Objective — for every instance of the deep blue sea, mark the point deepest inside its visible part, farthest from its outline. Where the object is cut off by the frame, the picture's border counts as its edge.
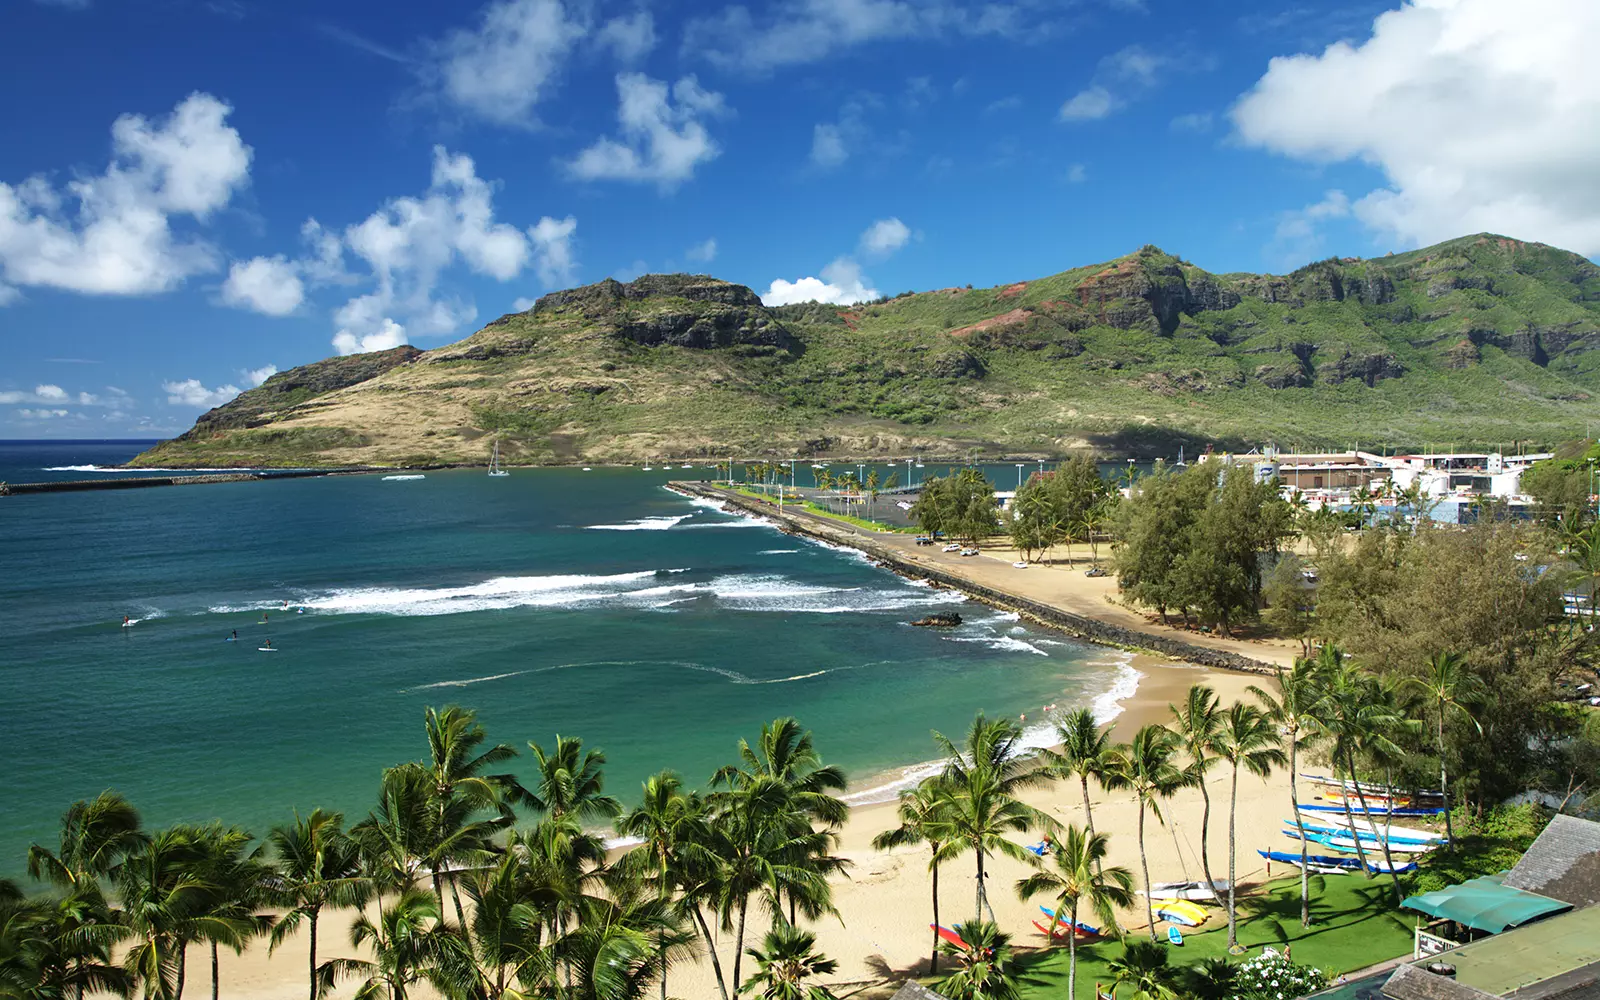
(597, 604)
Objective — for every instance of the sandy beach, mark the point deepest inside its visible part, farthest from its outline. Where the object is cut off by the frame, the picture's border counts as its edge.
(881, 936)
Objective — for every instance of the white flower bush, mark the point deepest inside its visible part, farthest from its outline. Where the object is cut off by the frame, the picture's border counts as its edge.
(1270, 976)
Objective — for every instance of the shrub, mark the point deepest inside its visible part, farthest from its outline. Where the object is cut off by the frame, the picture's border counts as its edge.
(1270, 976)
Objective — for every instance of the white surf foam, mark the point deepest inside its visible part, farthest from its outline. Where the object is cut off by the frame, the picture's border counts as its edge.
(466, 682)
(661, 523)
(776, 552)
(495, 594)
(1007, 643)
(1108, 704)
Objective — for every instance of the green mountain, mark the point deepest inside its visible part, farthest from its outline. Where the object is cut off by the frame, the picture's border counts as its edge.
(1481, 340)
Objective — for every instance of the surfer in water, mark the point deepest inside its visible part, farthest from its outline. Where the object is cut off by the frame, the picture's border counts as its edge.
(268, 644)
(126, 621)
(236, 633)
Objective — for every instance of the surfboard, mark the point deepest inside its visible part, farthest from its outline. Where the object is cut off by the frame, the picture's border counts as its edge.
(130, 624)
(265, 649)
(229, 638)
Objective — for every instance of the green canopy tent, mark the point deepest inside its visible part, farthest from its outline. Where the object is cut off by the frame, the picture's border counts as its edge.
(1484, 904)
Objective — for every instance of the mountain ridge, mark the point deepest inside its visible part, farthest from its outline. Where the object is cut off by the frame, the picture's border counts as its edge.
(1482, 339)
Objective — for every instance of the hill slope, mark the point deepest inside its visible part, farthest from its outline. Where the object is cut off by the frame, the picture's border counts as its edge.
(1480, 340)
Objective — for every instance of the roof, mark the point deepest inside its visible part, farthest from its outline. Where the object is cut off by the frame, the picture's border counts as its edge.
(1533, 961)
(1485, 904)
(915, 991)
(1413, 982)
(1563, 863)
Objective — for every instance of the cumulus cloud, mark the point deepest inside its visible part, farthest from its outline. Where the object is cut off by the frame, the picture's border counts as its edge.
(828, 146)
(386, 335)
(1482, 115)
(842, 283)
(522, 303)
(42, 414)
(499, 69)
(553, 257)
(662, 137)
(118, 237)
(256, 376)
(269, 285)
(190, 392)
(802, 31)
(884, 237)
(1119, 79)
(703, 253)
(50, 392)
(1088, 104)
(629, 38)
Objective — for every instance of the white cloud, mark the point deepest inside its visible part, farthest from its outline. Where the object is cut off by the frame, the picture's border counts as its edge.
(190, 392)
(1199, 121)
(267, 285)
(552, 250)
(1077, 174)
(703, 253)
(1008, 103)
(828, 146)
(256, 376)
(1298, 239)
(1482, 115)
(50, 392)
(842, 283)
(661, 142)
(500, 69)
(802, 31)
(119, 239)
(522, 304)
(629, 38)
(1088, 105)
(42, 414)
(387, 335)
(884, 237)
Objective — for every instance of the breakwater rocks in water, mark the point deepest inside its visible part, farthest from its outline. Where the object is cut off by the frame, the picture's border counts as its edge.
(142, 482)
(944, 619)
(1079, 626)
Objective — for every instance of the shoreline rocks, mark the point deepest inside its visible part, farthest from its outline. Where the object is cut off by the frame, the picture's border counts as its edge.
(944, 619)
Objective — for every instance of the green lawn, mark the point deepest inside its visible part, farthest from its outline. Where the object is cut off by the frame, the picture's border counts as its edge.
(1354, 924)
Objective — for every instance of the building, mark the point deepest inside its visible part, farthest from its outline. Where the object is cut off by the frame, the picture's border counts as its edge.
(916, 991)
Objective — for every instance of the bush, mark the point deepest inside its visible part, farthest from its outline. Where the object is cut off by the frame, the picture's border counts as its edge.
(1481, 848)
(1270, 976)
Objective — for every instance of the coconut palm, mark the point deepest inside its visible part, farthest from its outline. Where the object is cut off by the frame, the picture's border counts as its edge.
(572, 782)
(1294, 713)
(397, 835)
(668, 822)
(1080, 881)
(985, 968)
(923, 821)
(1211, 979)
(318, 865)
(505, 946)
(1244, 737)
(1196, 724)
(786, 963)
(981, 781)
(165, 895)
(1145, 766)
(1360, 718)
(1451, 687)
(564, 867)
(462, 784)
(611, 952)
(96, 836)
(238, 876)
(1144, 966)
(1084, 753)
(50, 949)
(409, 945)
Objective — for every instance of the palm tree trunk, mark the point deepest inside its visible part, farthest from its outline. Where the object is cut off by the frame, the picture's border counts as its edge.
(1144, 864)
(183, 962)
(1384, 842)
(461, 916)
(1205, 829)
(313, 935)
(933, 961)
(1444, 783)
(438, 892)
(216, 974)
(1233, 812)
(983, 893)
(1344, 797)
(711, 947)
(1300, 827)
(1072, 953)
(738, 954)
(661, 935)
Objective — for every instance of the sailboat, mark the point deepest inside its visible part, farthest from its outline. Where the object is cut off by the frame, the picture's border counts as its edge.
(494, 463)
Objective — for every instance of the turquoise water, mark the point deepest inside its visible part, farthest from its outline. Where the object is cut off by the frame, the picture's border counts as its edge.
(598, 604)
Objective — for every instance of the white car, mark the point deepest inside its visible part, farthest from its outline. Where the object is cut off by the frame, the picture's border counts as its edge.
(952, 547)
(1019, 564)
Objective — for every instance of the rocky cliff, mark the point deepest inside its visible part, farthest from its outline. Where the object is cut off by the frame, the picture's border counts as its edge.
(1484, 339)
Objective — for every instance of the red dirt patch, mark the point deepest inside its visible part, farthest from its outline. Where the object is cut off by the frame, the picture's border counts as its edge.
(1004, 319)
(850, 319)
(1012, 291)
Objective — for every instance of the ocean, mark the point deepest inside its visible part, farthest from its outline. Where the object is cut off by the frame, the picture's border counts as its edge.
(597, 604)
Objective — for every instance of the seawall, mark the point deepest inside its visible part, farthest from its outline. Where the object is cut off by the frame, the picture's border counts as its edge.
(1080, 626)
(144, 482)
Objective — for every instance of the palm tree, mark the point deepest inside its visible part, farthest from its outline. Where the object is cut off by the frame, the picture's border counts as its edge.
(985, 969)
(238, 877)
(564, 867)
(668, 823)
(1085, 753)
(1211, 979)
(409, 945)
(1144, 966)
(51, 949)
(1451, 687)
(571, 782)
(610, 952)
(980, 785)
(1294, 713)
(458, 768)
(1244, 738)
(165, 895)
(318, 865)
(397, 835)
(785, 963)
(1080, 880)
(97, 835)
(923, 821)
(1196, 724)
(1359, 718)
(505, 944)
(1145, 766)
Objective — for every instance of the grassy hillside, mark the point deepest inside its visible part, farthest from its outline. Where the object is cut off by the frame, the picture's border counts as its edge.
(1481, 340)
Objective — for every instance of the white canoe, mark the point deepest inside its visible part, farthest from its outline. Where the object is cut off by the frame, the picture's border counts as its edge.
(1192, 891)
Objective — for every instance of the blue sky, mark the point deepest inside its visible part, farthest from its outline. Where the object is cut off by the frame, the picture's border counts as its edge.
(196, 192)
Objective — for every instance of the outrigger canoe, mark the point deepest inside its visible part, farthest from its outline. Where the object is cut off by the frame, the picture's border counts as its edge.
(1061, 925)
(1181, 911)
(1395, 836)
(1346, 843)
(1328, 864)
